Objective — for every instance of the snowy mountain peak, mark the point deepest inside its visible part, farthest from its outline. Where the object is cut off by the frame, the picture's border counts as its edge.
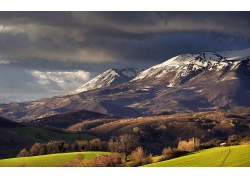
(108, 78)
(183, 64)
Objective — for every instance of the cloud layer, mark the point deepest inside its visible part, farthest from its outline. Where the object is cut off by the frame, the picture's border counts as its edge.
(84, 38)
(57, 51)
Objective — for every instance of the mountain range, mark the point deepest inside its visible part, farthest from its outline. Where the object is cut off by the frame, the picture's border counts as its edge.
(185, 83)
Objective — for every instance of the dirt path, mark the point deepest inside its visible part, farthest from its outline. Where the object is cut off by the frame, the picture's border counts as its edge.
(229, 151)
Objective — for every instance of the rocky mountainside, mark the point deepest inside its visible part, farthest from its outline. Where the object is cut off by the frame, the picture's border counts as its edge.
(185, 83)
(108, 78)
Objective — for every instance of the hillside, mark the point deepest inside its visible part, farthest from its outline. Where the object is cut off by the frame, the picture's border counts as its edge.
(6, 123)
(51, 160)
(232, 156)
(13, 140)
(67, 119)
(157, 132)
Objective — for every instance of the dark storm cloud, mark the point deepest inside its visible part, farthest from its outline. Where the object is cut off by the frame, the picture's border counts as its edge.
(85, 40)
(49, 53)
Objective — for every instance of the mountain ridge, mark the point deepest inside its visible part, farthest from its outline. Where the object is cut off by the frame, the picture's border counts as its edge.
(185, 83)
(107, 78)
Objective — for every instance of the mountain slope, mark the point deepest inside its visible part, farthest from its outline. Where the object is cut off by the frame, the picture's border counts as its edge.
(185, 83)
(197, 82)
(108, 78)
(67, 119)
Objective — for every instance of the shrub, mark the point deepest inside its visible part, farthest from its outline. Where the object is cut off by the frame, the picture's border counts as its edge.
(168, 153)
(108, 161)
(138, 157)
(191, 145)
(23, 153)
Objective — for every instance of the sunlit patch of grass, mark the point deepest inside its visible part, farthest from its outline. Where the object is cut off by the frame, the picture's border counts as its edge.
(50, 160)
(234, 156)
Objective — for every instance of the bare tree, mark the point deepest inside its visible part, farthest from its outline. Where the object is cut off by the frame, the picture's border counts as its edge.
(126, 144)
(137, 156)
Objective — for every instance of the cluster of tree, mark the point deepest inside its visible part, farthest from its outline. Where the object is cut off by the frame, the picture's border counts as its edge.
(238, 139)
(53, 147)
(189, 146)
(137, 158)
(127, 145)
(123, 144)
(85, 126)
(184, 147)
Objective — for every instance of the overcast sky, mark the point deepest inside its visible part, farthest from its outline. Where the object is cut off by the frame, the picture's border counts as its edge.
(48, 53)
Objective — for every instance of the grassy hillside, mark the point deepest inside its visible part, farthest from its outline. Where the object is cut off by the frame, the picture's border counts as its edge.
(46, 135)
(50, 160)
(233, 156)
(12, 140)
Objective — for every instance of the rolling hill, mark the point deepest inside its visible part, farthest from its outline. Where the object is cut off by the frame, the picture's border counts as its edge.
(67, 119)
(13, 140)
(232, 156)
(51, 160)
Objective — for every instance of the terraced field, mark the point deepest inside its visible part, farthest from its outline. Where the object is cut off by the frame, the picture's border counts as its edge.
(233, 156)
(50, 160)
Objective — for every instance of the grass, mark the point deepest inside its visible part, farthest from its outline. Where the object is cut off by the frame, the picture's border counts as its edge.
(233, 156)
(51, 160)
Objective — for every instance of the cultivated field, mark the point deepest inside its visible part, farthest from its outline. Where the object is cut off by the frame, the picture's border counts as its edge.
(50, 160)
(232, 156)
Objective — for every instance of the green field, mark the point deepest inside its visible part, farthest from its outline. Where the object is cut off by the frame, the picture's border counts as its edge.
(233, 156)
(50, 160)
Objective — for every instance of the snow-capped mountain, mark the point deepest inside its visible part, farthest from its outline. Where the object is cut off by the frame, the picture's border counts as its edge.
(185, 83)
(185, 65)
(108, 78)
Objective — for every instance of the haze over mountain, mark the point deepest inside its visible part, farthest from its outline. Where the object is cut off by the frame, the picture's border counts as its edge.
(185, 83)
(9, 99)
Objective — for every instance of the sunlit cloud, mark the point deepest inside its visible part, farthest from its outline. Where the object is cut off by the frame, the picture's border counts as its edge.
(67, 80)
